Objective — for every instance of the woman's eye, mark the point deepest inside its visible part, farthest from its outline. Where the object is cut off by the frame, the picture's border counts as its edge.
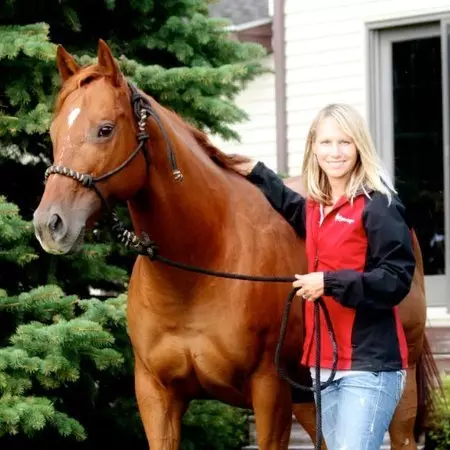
(105, 131)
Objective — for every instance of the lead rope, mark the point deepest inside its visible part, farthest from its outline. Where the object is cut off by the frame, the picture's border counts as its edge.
(145, 246)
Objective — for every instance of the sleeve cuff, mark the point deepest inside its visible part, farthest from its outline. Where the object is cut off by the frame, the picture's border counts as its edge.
(329, 283)
(256, 171)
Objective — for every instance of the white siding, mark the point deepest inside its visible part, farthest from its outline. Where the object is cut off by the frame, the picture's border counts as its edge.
(258, 134)
(326, 56)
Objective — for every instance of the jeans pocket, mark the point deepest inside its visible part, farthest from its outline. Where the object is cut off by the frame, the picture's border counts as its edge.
(401, 377)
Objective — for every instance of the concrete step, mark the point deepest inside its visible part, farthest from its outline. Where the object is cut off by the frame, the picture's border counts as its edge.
(439, 337)
(300, 440)
(443, 363)
(310, 446)
(299, 437)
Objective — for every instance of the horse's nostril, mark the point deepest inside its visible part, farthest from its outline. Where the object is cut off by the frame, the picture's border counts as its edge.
(55, 223)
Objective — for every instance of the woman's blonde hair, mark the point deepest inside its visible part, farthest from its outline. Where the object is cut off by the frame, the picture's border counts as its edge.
(368, 173)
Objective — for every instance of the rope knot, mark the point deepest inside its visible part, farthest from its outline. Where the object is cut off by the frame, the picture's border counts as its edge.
(151, 252)
(135, 97)
(142, 136)
(178, 176)
(86, 180)
(148, 247)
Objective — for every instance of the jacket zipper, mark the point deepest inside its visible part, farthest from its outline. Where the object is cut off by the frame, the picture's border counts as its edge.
(323, 217)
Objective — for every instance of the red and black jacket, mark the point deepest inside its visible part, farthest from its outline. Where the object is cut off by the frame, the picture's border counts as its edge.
(365, 250)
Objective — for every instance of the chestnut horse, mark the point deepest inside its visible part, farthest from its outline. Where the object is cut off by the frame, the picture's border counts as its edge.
(193, 336)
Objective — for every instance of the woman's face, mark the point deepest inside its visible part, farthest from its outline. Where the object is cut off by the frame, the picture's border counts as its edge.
(335, 151)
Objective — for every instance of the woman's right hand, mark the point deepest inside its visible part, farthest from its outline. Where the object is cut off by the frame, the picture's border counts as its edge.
(244, 168)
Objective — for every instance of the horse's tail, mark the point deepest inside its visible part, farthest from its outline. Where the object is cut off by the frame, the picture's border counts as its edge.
(428, 380)
(428, 383)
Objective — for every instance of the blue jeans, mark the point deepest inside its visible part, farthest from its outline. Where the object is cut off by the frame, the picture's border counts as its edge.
(357, 409)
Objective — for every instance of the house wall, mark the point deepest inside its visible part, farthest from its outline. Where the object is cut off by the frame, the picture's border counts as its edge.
(326, 57)
(258, 134)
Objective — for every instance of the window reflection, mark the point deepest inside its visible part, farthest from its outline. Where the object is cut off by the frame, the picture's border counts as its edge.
(418, 143)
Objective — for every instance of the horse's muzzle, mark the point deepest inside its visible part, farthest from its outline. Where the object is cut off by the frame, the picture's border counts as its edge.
(57, 232)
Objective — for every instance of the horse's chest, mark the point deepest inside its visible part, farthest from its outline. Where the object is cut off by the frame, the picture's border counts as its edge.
(206, 342)
(182, 350)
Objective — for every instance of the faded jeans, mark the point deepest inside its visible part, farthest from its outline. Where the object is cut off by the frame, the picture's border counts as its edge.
(357, 409)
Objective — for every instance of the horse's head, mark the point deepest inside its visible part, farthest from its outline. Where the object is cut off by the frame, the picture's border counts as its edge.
(94, 132)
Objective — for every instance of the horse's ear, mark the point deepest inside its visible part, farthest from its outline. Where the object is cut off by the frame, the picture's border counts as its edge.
(107, 61)
(66, 63)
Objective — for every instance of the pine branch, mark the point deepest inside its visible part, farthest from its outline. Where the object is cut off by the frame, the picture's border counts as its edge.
(53, 355)
(31, 414)
(91, 263)
(15, 235)
(31, 40)
(111, 312)
(36, 120)
(202, 95)
(200, 41)
(44, 304)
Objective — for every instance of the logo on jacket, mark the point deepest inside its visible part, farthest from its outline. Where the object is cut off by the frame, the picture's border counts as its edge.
(340, 218)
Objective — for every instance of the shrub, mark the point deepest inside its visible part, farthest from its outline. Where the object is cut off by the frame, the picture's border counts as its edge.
(211, 425)
(438, 438)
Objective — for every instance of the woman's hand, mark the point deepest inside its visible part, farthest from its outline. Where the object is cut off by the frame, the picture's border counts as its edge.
(244, 168)
(311, 285)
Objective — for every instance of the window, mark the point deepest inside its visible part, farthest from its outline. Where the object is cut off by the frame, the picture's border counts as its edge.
(410, 121)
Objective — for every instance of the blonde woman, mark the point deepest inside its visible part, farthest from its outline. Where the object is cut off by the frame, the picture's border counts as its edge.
(361, 263)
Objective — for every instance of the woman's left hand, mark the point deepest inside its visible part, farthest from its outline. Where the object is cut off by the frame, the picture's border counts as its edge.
(311, 285)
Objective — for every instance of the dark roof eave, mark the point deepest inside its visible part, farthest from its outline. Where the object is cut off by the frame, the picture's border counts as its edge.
(257, 31)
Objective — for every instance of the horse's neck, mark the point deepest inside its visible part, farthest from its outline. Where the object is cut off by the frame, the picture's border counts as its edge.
(185, 218)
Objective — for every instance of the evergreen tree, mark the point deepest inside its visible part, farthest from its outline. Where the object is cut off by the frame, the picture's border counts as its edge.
(50, 340)
(65, 363)
(170, 49)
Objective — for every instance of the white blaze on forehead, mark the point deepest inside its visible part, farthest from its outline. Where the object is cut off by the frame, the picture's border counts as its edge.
(72, 116)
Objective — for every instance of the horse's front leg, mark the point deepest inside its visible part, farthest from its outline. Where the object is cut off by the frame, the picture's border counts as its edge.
(272, 410)
(161, 410)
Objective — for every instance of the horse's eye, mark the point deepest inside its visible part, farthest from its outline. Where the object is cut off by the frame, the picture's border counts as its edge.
(105, 131)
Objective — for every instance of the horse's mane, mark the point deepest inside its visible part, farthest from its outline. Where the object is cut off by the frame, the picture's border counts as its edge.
(94, 72)
(227, 161)
(81, 78)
